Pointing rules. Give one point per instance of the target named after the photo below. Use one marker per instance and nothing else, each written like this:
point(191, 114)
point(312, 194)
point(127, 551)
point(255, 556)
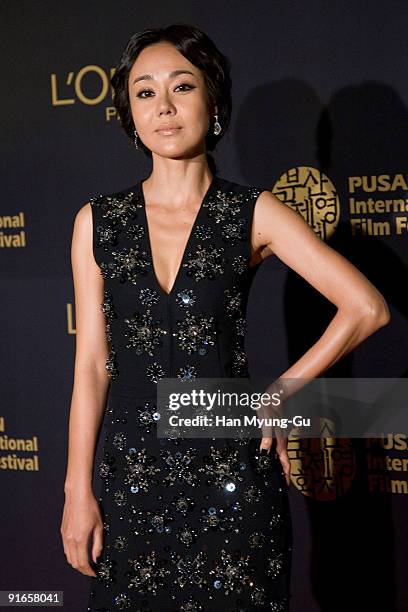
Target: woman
point(161, 277)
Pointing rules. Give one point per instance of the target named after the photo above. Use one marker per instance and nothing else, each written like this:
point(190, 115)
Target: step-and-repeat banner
point(319, 115)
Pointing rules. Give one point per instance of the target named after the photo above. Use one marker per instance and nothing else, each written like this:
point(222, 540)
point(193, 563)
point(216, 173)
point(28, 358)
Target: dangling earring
point(217, 127)
point(135, 140)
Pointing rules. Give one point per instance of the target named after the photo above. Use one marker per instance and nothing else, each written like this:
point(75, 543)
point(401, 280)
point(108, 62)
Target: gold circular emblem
point(312, 194)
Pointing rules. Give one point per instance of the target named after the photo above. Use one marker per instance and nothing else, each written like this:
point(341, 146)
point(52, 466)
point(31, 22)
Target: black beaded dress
point(189, 524)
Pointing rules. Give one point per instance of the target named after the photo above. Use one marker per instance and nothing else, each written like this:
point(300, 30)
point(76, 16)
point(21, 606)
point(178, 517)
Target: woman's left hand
point(266, 412)
point(281, 450)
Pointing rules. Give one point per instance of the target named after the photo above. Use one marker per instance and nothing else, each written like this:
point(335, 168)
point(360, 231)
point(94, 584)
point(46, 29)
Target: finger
point(66, 552)
point(64, 542)
point(97, 542)
point(71, 552)
point(74, 554)
point(265, 444)
point(267, 437)
point(83, 560)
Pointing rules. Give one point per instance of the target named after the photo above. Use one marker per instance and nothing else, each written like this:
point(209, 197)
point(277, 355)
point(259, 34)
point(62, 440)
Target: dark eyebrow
point(148, 77)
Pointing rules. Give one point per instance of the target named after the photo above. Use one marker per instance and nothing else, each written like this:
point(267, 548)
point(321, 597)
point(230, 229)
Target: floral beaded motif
point(140, 470)
point(205, 262)
point(226, 205)
point(190, 525)
point(221, 468)
point(135, 232)
point(148, 573)
point(195, 333)
point(234, 231)
point(118, 208)
point(187, 372)
point(107, 236)
point(232, 572)
point(179, 467)
point(154, 372)
point(143, 521)
point(148, 296)
point(190, 568)
point(128, 264)
point(144, 333)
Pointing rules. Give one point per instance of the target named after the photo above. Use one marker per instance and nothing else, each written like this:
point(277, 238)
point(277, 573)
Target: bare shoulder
point(82, 235)
point(272, 218)
point(83, 216)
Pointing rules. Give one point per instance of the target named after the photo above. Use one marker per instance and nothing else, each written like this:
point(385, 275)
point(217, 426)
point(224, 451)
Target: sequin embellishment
point(179, 467)
point(144, 333)
point(221, 468)
point(148, 296)
point(204, 232)
point(148, 573)
point(195, 333)
point(112, 365)
point(128, 264)
point(140, 470)
point(189, 524)
point(233, 301)
point(135, 232)
point(186, 298)
point(108, 309)
point(190, 569)
point(231, 572)
point(118, 208)
point(188, 372)
point(234, 231)
point(154, 371)
point(239, 264)
point(205, 263)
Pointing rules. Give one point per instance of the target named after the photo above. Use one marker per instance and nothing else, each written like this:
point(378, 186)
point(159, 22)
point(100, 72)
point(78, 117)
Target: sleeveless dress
point(189, 524)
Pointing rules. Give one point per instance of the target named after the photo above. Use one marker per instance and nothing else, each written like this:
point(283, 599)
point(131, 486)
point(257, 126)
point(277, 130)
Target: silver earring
point(217, 126)
point(135, 140)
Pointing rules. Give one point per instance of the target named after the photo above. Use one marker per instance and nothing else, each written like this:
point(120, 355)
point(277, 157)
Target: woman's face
point(158, 98)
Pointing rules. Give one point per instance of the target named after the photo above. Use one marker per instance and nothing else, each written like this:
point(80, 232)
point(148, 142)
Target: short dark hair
point(200, 50)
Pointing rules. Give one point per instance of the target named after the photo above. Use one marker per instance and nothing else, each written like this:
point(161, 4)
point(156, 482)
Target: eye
point(185, 85)
point(139, 95)
point(148, 91)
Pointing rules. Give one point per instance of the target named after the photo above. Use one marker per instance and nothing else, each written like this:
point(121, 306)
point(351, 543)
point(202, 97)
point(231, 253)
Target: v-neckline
point(204, 200)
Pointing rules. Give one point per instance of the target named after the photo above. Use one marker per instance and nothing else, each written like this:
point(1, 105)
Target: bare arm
point(361, 309)
point(91, 382)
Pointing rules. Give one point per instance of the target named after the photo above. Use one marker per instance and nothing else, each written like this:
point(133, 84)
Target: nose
point(165, 106)
point(166, 110)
